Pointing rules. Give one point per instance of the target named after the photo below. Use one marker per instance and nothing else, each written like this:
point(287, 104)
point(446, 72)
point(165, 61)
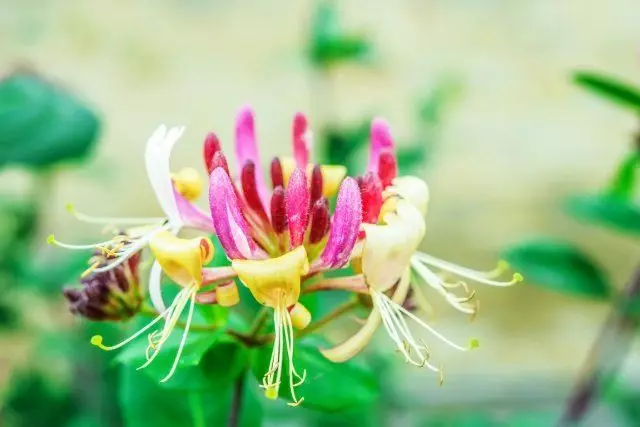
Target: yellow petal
point(270, 279)
point(188, 183)
point(181, 259)
point(354, 345)
point(332, 176)
point(288, 165)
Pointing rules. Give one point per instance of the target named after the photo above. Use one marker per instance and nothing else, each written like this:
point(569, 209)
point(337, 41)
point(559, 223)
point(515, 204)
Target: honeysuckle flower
point(175, 194)
point(182, 261)
point(390, 263)
point(110, 295)
point(278, 237)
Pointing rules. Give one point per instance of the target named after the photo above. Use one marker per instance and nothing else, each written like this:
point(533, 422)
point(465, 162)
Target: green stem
point(236, 402)
point(195, 405)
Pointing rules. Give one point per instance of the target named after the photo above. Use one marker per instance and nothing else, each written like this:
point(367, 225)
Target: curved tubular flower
point(393, 228)
point(182, 261)
point(174, 194)
point(275, 283)
point(276, 243)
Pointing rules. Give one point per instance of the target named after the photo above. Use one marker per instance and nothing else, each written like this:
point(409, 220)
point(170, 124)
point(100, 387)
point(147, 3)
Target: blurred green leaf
point(9, 318)
point(410, 158)
point(558, 266)
point(55, 405)
point(329, 44)
point(342, 144)
point(42, 124)
point(328, 386)
point(606, 210)
point(145, 403)
point(608, 87)
point(624, 181)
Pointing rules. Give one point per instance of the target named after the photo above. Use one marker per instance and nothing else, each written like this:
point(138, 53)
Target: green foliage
point(329, 44)
point(329, 386)
point(55, 405)
point(623, 184)
point(604, 209)
point(558, 266)
point(42, 124)
point(145, 403)
point(610, 88)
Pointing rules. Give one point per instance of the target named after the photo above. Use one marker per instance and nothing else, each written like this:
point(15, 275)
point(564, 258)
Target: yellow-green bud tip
point(474, 343)
point(517, 277)
point(96, 340)
point(70, 208)
point(271, 393)
point(51, 239)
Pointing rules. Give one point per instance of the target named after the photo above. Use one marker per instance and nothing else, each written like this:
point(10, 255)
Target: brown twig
point(607, 354)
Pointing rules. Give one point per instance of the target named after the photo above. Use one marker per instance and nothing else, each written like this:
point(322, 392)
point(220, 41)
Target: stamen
point(439, 285)
point(97, 340)
point(108, 220)
point(484, 277)
point(53, 241)
point(184, 338)
point(90, 269)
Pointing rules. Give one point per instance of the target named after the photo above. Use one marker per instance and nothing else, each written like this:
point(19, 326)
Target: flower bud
point(108, 295)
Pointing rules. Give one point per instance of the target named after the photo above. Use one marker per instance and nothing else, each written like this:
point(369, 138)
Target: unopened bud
point(371, 194)
point(300, 316)
point(387, 168)
point(227, 294)
point(278, 210)
point(211, 147)
point(277, 177)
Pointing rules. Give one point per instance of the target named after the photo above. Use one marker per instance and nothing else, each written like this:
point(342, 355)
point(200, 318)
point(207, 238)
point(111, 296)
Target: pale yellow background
point(518, 140)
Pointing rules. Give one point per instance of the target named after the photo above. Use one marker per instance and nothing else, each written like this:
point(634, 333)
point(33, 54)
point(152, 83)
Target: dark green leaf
point(412, 157)
point(8, 316)
point(609, 87)
point(559, 266)
point(145, 403)
point(329, 386)
point(606, 210)
point(42, 124)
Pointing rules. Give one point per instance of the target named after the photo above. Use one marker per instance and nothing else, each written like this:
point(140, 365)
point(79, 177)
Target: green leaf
point(9, 318)
point(410, 158)
point(558, 266)
point(615, 90)
point(328, 386)
point(606, 210)
point(329, 44)
point(42, 124)
point(145, 403)
point(624, 181)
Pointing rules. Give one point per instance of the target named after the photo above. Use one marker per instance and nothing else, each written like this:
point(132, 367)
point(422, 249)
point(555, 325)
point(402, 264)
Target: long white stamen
point(172, 319)
point(111, 220)
point(184, 338)
point(476, 276)
point(395, 324)
point(97, 339)
point(438, 284)
point(52, 241)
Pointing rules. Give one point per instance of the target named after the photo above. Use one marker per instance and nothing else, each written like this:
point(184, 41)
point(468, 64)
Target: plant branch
point(607, 354)
point(236, 402)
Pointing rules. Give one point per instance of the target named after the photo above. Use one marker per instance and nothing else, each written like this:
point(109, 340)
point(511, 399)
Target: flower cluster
point(278, 235)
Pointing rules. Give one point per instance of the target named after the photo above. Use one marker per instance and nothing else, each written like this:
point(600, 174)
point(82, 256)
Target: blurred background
point(482, 104)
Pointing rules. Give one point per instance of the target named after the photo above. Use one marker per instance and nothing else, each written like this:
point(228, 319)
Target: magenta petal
point(301, 142)
point(345, 225)
point(192, 215)
point(228, 221)
point(381, 141)
point(247, 150)
point(297, 206)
